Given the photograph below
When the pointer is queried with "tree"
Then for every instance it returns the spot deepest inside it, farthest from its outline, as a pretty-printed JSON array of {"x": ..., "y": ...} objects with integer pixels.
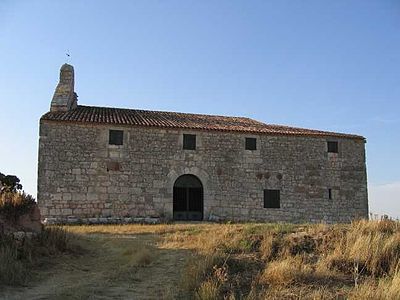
[{"x": 9, "y": 183}]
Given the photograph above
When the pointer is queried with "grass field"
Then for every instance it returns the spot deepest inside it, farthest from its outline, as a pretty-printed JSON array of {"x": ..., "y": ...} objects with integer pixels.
[{"x": 217, "y": 261}]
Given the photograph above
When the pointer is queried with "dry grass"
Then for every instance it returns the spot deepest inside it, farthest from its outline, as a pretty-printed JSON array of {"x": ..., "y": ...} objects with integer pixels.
[
  {"x": 285, "y": 261},
  {"x": 140, "y": 256},
  {"x": 208, "y": 290},
  {"x": 18, "y": 258},
  {"x": 13, "y": 271},
  {"x": 253, "y": 261},
  {"x": 386, "y": 288},
  {"x": 15, "y": 204},
  {"x": 367, "y": 248},
  {"x": 125, "y": 229},
  {"x": 284, "y": 272},
  {"x": 268, "y": 246},
  {"x": 198, "y": 269}
]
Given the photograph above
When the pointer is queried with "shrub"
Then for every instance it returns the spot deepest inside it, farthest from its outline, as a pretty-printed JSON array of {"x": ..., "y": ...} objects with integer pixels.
[
  {"x": 386, "y": 289},
  {"x": 269, "y": 246},
  {"x": 300, "y": 243},
  {"x": 282, "y": 272},
  {"x": 15, "y": 204},
  {"x": 369, "y": 247},
  {"x": 208, "y": 290},
  {"x": 197, "y": 269},
  {"x": 12, "y": 269},
  {"x": 17, "y": 257},
  {"x": 9, "y": 183},
  {"x": 54, "y": 239}
]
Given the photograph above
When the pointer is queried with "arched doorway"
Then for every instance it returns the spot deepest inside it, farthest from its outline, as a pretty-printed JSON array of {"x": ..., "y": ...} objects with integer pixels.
[{"x": 188, "y": 198}]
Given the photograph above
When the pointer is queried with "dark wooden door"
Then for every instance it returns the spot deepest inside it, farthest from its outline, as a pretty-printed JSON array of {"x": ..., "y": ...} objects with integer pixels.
[
  {"x": 188, "y": 203},
  {"x": 180, "y": 203}
]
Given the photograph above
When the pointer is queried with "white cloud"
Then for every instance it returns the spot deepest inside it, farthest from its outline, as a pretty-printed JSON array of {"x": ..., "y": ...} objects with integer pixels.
[{"x": 385, "y": 199}]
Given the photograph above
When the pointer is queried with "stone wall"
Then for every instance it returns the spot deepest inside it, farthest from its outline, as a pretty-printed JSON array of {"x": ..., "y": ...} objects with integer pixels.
[{"x": 81, "y": 175}]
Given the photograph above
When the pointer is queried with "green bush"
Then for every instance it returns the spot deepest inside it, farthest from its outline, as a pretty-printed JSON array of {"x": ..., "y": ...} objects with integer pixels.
[{"x": 9, "y": 183}]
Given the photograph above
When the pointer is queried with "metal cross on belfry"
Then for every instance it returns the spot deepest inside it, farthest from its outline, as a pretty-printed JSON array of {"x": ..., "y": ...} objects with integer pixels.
[{"x": 68, "y": 55}]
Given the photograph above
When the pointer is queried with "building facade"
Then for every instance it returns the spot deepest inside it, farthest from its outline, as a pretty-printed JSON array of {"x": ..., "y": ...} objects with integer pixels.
[{"x": 97, "y": 162}]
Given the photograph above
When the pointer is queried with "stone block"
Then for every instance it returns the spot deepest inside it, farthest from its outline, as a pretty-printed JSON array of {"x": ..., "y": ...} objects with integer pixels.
[
  {"x": 92, "y": 197},
  {"x": 76, "y": 171},
  {"x": 66, "y": 196},
  {"x": 66, "y": 211}
]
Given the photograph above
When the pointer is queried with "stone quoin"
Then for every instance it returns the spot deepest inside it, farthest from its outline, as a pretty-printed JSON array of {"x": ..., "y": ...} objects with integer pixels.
[{"x": 100, "y": 163}]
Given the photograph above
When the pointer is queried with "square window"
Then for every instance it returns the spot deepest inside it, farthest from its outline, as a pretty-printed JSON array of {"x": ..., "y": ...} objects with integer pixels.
[
  {"x": 251, "y": 144},
  {"x": 272, "y": 199},
  {"x": 116, "y": 137},
  {"x": 333, "y": 147},
  {"x": 189, "y": 141}
]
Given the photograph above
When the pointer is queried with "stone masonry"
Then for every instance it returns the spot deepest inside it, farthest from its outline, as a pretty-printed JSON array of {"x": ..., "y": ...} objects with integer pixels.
[{"x": 82, "y": 176}]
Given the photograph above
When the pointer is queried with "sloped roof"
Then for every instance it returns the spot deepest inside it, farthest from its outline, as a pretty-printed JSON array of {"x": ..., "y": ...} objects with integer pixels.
[{"x": 163, "y": 119}]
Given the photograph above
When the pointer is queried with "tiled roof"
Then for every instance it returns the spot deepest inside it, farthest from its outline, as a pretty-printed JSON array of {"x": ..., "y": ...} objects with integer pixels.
[{"x": 162, "y": 119}]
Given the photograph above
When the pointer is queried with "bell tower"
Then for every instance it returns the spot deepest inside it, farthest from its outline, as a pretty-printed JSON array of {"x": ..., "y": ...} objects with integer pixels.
[{"x": 65, "y": 98}]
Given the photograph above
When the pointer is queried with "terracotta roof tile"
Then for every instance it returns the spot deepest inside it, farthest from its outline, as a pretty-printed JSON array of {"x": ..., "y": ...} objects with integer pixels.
[{"x": 163, "y": 119}]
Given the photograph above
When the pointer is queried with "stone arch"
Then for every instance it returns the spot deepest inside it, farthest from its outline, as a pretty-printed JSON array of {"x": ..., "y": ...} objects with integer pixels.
[
  {"x": 188, "y": 198},
  {"x": 174, "y": 174}
]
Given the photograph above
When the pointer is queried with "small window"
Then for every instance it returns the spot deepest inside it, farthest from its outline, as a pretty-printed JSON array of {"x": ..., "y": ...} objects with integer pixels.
[
  {"x": 251, "y": 144},
  {"x": 113, "y": 166},
  {"x": 116, "y": 137},
  {"x": 189, "y": 141},
  {"x": 333, "y": 147},
  {"x": 272, "y": 199},
  {"x": 330, "y": 194}
]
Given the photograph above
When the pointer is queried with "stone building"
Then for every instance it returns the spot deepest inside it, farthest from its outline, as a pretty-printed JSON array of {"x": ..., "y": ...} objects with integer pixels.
[{"x": 108, "y": 163}]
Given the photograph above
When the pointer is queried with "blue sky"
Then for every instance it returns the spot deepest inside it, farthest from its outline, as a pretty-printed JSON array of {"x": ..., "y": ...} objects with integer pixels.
[{"x": 331, "y": 65}]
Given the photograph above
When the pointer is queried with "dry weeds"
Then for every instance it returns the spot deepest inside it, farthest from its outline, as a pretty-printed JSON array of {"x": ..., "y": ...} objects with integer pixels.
[
  {"x": 19, "y": 258},
  {"x": 241, "y": 261},
  {"x": 285, "y": 261}
]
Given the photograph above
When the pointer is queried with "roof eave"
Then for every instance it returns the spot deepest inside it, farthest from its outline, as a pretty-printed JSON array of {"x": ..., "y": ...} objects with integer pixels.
[{"x": 298, "y": 134}]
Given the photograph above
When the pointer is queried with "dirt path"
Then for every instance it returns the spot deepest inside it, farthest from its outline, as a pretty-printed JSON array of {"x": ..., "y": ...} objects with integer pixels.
[{"x": 110, "y": 267}]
